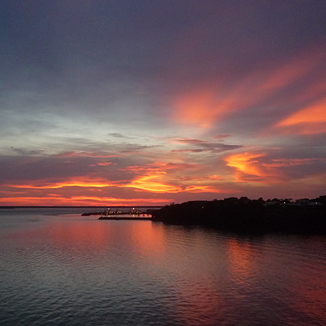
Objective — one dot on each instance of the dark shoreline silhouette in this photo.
(245, 216)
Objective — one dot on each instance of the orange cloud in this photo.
(153, 183)
(204, 106)
(200, 189)
(154, 179)
(198, 108)
(215, 177)
(310, 120)
(246, 163)
(122, 201)
(251, 168)
(104, 163)
(71, 183)
(255, 167)
(81, 201)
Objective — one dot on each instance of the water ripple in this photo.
(73, 272)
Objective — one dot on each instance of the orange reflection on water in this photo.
(314, 293)
(81, 235)
(147, 238)
(240, 258)
(84, 236)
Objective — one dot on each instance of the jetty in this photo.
(143, 217)
(132, 215)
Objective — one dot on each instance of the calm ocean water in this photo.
(59, 268)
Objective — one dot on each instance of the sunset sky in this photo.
(148, 102)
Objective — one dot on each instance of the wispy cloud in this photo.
(82, 182)
(307, 121)
(258, 167)
(203, 145)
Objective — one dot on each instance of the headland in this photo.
(245, 216)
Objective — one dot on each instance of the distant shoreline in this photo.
(246, 217)
(98, 206)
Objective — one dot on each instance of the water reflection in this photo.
(81, 235)
(311, 285)
(241, 259)
(147, 238)
(126, 272)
